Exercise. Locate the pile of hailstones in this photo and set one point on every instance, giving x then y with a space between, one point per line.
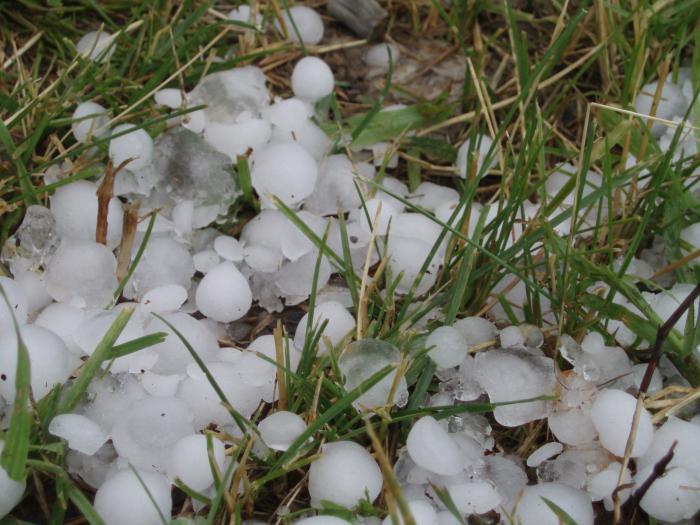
148 413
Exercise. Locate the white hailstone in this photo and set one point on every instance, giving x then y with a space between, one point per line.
89 120
602 484
183 216
17 305
136 145
263 259
431 447
280 429
406 258
81 433
532 509
474 497
612 413
512 375
479 151
321 520
423 514
431 196
344 474
286 114
368 215
691 235
672 103
312 79
286 170
235 139
449 346
166 298
309 26
377 56
511 336
205 260
96 45
687 451
63 319
49 361
229 248
33 284
74 207
546 451
243 13
340 323
161 385
148 430
82 273
189 461
673 497
130 497
476 330
169 97
11 491
224 294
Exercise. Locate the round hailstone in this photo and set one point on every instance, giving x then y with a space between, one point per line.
189 461
169 97
431 447
601 485
229 248
406 258
263 259
173 355
532 510
11 491
82 433
166 298
377 56
474 497
224 294
82 273
673 497
687 451
94 44
423 514
312 79
343 475
127 498
89 120
309 26
63 319
449 347
17 307
340 323
243 13
511 336
546 451
286 170
205 260
49 360
321 520
612 413
74 207
136 145
281 429
368 215
480 151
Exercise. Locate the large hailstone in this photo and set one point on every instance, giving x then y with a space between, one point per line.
136 145
673 497
189 461
532 509
81 433
687 451
50 362
89 120
312 79
17 305
74 208
96 45
286 170
612 414
449 347
224 294
309 26
343 474
280 429
479 151
128 498
11 491
339 324
431 447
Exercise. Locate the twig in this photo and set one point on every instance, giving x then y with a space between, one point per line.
131 221
104 195
656 473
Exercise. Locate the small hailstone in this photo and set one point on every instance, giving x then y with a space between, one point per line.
49 359
164 261
511 336
431 196
280 429
321 520
543 453
474 497
340 323
166 298
136 145
243 13
691 235
593 343
312 79
309 26
479 151
75 209
205 260
432 448
262 259
423 514
672 103
224 294
673 497
124 499
94 44
602 485
532 509
169 97
377 56
89 119
407 257
476 330
183 216
32 283
18 304
368 215
229 248
63 319
344 474
82 433
612 413
11 491
189 461
173 355
450 347
286 170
